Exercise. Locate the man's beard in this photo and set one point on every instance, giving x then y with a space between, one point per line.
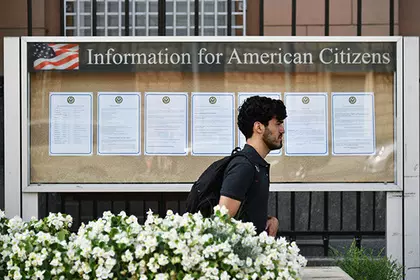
270 141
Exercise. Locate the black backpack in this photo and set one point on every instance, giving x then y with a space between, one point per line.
205 192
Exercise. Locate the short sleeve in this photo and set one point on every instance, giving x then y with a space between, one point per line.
239 176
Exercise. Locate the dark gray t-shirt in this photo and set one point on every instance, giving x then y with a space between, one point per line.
249 181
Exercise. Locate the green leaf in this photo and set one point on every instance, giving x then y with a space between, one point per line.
180 275
62 235
29 247
113 232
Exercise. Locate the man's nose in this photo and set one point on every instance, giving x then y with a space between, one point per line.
282 129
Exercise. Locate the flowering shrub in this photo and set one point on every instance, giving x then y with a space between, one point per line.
34 250
117 247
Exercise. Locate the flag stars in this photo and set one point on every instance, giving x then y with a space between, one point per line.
43 51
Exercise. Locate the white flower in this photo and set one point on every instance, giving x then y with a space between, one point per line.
86 268
151 243
162 276
107 215
152 265
122 214
103 238
268 275
107 227
139 252
127 256
98 252
175 260
132 268
224 276
55 262
285 274
16 224
123 240
39 274
163 260
102 273
132 219
223 210
17 275
205 238
109 264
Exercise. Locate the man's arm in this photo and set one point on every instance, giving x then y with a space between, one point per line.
239 176
231 204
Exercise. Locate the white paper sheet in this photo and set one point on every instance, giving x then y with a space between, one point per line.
119 123
306 124
70 130
241 98
213 123
166 123
353 123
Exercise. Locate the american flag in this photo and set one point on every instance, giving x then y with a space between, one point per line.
55 56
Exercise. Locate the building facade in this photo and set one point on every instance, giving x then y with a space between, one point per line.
316 220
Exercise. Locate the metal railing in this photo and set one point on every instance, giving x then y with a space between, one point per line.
153 17
309 224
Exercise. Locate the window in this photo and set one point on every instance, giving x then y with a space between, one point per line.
180 17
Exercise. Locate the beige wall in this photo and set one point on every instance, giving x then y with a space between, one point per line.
13 20
409 15
310 17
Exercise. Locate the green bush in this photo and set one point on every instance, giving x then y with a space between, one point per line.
364 264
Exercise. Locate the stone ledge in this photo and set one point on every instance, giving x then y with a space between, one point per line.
325 272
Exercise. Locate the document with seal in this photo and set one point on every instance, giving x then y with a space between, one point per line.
119 123
306 124
213 116
353 123
70 129
166 123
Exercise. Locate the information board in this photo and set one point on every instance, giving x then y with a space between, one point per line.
341 162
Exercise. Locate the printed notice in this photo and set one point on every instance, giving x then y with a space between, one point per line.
70 130
118 123
353 123
166 123
306 124
242 96
212 123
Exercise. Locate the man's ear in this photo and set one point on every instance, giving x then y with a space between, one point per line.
258 128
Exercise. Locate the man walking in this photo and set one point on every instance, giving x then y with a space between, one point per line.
246 180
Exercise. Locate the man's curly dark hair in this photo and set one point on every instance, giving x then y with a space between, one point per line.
261 109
